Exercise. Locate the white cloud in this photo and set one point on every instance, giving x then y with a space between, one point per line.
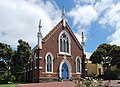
85 1
115 37
19 20
104 11
83 15
112 18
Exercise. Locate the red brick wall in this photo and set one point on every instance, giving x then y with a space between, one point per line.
52 45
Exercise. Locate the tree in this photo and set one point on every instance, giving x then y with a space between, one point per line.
115 55
101 53
24 51
6 52
15 61
22 55
6 55
98 55
107 53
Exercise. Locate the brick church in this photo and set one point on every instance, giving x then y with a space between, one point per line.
57 56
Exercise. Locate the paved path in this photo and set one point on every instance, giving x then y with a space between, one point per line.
113 83
49 84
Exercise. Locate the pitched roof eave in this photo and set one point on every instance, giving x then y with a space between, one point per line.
55 28
74 37
52 31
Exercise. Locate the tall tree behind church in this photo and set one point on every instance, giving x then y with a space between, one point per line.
21 57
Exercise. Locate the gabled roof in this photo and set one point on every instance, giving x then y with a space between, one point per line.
57 27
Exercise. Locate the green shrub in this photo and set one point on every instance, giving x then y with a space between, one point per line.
112 75
12 78
92 75
117 74
108 74
3 79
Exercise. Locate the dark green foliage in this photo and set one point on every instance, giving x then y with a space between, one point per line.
108 75
21 57
98 55
105 53
12 61
6 55
2 65
112 75
4 78
101 53
12 78
24 51
6 51
115 55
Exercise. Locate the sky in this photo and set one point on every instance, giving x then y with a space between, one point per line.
98 19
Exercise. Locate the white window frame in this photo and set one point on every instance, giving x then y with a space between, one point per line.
80 65
49 53
65 53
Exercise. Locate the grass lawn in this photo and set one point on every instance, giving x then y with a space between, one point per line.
8 85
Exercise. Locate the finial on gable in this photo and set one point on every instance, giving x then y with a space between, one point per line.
63 15
82 39
40 26
40 36
83 42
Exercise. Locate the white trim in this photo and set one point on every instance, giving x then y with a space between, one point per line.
69 42
49 53
80 65
69 67
64 53
40 57
40 67
35 67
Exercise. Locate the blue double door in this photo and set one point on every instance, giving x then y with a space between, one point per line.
65 71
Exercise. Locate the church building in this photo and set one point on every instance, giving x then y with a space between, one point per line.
57 56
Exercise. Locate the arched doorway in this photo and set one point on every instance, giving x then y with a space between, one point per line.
65 71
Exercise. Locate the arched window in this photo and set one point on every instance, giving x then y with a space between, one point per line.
78 65
49 63
64 42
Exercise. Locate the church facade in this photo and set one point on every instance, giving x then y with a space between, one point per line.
58 56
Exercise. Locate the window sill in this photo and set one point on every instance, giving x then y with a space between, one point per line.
78 73
63 53
49 72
